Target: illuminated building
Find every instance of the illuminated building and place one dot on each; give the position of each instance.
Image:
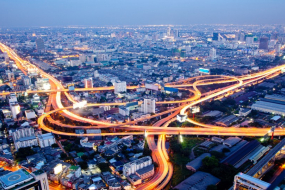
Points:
(263, 42)
(88, 83)
(42, 84)
(132, 167)
(46, 140)
(24, 137)
(243, 181)
(120, 86)
(148, 106)
(15, 109)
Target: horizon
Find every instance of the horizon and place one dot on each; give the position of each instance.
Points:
(52, 13)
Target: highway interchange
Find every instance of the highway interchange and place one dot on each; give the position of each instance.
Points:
(160, 128)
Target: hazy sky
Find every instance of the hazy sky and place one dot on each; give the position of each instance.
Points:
(139, 12)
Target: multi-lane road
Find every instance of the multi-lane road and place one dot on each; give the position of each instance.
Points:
(165, 169)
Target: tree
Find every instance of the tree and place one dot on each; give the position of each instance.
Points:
(225, 150)
(109, 84)
(210, 162)
(83, 165)
(103, 167)
(212, 187)
(22, 153)
(217, 154)
(54, 145)
(63, 156)
(84, 157)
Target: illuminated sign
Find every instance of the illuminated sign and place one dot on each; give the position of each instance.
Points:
(181, 118)
(195, 109)
(57, 169)
(81, 104)
(151, 87)
(71, 88)
(202, 70)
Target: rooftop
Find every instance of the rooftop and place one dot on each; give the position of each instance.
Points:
(15, 178)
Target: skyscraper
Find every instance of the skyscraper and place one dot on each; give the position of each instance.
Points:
(148, 105)
(168, 32)
(263, 42)
(215, 36)
(40, 45)
(212, 53)
(249, 38)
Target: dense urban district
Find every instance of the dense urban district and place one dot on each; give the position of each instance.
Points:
(197, 107)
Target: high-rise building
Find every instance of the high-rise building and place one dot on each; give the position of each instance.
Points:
(176, 33)
(46, 140)
(263, 42)
(148, 106)
(132, 167)
(23, 180)
(236, 36)
(24, 137)
(216, 36)
(249, 39)
(278, 48)
(88, 83)
(15, 109)
(168, 32)
(241, 36)
(10, 75)
(26, 80)
(40, 45)
(120, 86)
(212, 53)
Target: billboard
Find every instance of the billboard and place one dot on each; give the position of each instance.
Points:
(81, 104)
(71, 88)
(195, 109)
(151, 86)
(205, 71)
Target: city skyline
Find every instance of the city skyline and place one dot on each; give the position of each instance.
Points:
(104, 13)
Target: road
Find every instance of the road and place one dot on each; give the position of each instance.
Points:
(165, 170)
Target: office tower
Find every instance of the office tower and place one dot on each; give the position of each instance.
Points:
(212, 53)
(120, 86)
(241, 36)
(148, 106)
(183, 53)
(40, 45)
(176, 33)
(88, 83)
(169, 32)
(26, 80)
(263, 42)
(278, 48)
(10, 75)
(249, 39)
(236, 36)
(216, 36)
